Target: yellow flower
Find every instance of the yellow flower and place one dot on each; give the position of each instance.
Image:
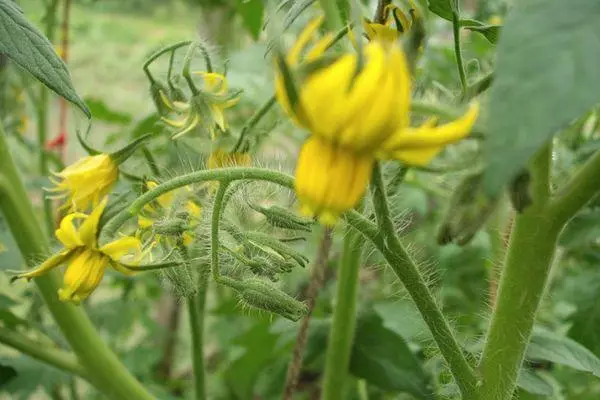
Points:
(386, 31)
(222, 159)
(86, 260)
(215, 94)
(86, 182)
(354, 117)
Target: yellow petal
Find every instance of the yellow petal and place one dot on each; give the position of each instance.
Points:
(319, 48)
(83, 275)
(293, 57)
(67, 234)
(120, 247)
(193, 209)
(52, 262)
(89, 229)
(426, 135)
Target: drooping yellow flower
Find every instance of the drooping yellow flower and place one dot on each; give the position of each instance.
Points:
(87, 181)
(214, 95)
(354, 117)
(86, 260)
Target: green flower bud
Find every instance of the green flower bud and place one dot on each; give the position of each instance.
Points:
(260, 294)
(282, 218)
(170, 226)
(287, 252)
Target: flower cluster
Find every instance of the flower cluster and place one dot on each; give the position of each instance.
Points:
(86, 260)
(357, 111)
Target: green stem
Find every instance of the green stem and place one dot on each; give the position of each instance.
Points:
(109, 375)
(43, 352)
(524, 277)
(196, 312)
(253, 121)
(580, 190)
(406, 270)
(341, 335)
(218, 174)
(333, 18)
(457, 49)
(156, 55)
(42, 123)
(214, 230)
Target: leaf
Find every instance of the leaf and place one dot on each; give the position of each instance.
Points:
(562, 350)
(491, 32)
(150, 124)
(28, 47)
(30, 375)
(382, 358)
(102, 112)
(582, 230)
(533, 383)
(586, 319)
(9, 251)
(252, 14)
(442, 8)
(547, 75)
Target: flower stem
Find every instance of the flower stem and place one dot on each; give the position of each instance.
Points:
(341, 335)
(457, 48)
(109, 375)
(42, 352)
(255, 119)
(405, 268)
(196, 311)
(524, 277)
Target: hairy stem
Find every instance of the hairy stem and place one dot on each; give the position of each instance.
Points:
(196, 312)
(580, 190)
(406, 270)
(341, 335)
(524, 277)
(315, 284)
(110, 376)
(457, 48)
(42, 352)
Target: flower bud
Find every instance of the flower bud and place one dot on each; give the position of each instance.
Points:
(258, 293)
(280, 217)
(287, 252)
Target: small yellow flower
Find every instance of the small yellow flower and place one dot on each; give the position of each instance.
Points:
(222, 159)
(215, 95)
(86, 182)
(354, 117)
(86, 260)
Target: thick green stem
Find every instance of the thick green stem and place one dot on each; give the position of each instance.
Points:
(581, 189)
(457, 49)
(42, 352)
(109, 375)
(522, 284)
(406, 270)
(196, 310)
(341, 334)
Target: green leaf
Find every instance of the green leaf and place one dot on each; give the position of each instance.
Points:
(30, 375)
(562, 350)
(442, 8)
(547, 75)
(28, 47)
(586, 319)
(382, 358)
(491, 32)
(252, 15)
(102, 112)
(582, 230)
(9, 251)
(533, 383)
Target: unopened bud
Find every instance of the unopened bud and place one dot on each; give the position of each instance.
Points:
(282, 218)
(285, 251)
(170, 226)
(261, 294)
